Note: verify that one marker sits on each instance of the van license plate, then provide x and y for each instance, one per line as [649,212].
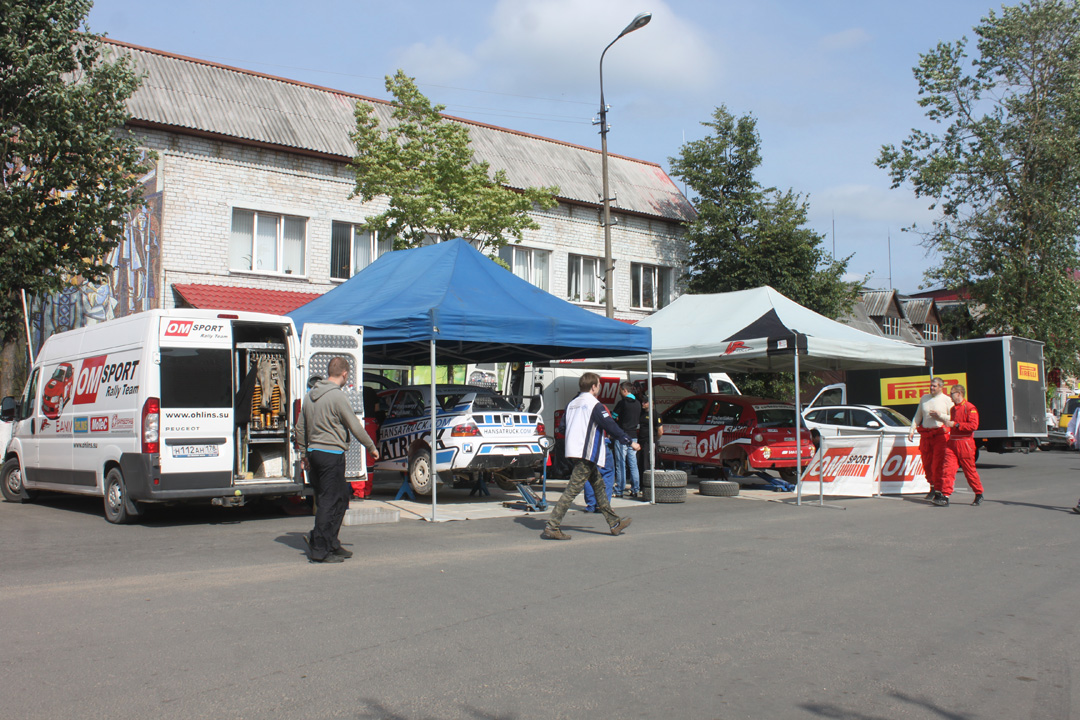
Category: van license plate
[190,451]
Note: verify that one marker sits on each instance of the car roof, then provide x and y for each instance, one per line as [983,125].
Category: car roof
[856,406]
[737,399]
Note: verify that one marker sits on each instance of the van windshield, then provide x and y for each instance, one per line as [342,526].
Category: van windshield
[196,378]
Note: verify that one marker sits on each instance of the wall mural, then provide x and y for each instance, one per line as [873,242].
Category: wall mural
[132,287]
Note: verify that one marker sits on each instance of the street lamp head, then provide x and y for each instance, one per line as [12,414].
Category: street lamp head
[637,23]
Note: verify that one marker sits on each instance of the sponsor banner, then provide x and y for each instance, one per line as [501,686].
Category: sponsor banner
[204,332]
[106,378]
[908,390]
[1027,371]
[851,466]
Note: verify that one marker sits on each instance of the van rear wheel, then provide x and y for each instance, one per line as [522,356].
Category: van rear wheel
[11,483]
[119,508]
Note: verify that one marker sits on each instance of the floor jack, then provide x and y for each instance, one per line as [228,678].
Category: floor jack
[530,501]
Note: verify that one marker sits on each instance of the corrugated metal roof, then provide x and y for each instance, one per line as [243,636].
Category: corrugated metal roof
[918,310]
[192,94]
[877,302]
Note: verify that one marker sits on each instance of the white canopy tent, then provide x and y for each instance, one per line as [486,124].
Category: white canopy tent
[758,331]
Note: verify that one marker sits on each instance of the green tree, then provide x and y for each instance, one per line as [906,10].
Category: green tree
[69,173]
[423,165]
[746,235]
[1003,171]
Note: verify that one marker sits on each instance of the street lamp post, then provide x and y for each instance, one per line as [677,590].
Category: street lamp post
[638,22]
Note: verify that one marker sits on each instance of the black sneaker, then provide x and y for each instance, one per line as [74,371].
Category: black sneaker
[930,495]
[977,500]
[343,553]
[331,558]
[941,500]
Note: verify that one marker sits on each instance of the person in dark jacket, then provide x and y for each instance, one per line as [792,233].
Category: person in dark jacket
[322,434]
[627,414]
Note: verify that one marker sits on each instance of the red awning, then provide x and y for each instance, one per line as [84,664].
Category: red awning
[245,299]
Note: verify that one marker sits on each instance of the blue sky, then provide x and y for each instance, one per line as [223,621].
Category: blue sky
[829,81]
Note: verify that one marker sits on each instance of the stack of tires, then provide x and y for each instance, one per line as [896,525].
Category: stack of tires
[670,486]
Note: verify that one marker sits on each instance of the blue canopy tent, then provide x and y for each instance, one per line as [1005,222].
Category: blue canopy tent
[475,311]
[449,302]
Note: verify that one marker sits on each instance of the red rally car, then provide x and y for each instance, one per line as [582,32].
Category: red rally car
[735,431]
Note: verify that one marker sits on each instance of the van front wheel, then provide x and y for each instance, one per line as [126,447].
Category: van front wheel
[119,508]
[11,482]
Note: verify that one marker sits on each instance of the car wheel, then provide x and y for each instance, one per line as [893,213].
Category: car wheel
[420,477]
[738,466]
[11,483]
[789,475]
[718,488]
[663,478]
[119,508]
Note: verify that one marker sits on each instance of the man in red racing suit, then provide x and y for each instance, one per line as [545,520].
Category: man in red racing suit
[960,450]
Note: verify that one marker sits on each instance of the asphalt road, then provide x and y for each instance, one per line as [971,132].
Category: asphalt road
[717,608]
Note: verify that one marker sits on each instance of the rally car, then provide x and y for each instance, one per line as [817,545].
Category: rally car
[478,433]
[737,432]
[57,391]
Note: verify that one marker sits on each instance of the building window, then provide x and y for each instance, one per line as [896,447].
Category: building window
[528,264]
[892,325]
[352,249]
[263,242]
[930,331]
[650,286]
[583,280]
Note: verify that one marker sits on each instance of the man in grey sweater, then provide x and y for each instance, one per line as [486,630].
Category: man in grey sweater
[322,434]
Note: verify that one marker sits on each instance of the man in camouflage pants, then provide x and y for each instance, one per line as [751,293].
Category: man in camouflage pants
[587,420]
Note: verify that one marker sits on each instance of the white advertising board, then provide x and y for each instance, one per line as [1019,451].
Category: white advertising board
[864,466]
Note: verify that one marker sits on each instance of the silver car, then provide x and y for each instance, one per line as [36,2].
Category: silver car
[833,420]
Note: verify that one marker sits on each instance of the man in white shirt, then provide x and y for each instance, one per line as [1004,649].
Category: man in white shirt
[930,420]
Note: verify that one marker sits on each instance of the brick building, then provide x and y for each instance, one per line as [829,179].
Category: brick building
[248,204]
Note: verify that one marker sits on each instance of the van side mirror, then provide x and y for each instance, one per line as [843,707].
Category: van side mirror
[8,409]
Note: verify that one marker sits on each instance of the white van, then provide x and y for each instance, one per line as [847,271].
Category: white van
[172,405]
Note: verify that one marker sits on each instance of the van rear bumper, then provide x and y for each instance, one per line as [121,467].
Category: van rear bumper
[146,483]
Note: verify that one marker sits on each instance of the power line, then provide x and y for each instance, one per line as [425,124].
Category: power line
[381,79]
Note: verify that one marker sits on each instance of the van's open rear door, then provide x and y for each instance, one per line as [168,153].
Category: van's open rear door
[320,343]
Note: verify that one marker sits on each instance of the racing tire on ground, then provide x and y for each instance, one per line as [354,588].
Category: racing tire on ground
[718,488]
[420,476]
[119,508]
[663,478]
[666,494]
[11,483]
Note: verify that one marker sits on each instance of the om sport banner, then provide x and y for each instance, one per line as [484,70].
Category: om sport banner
[861,466]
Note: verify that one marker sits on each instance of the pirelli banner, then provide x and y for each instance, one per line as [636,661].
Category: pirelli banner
[865,465]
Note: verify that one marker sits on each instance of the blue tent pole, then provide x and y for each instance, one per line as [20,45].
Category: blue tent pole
[434,403]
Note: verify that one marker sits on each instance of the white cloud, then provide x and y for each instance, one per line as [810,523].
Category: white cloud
[867,203]
[557,43]
[553,47]
[845,40]
[437,61]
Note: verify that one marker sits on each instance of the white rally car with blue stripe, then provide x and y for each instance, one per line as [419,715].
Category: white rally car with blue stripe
[478,433]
